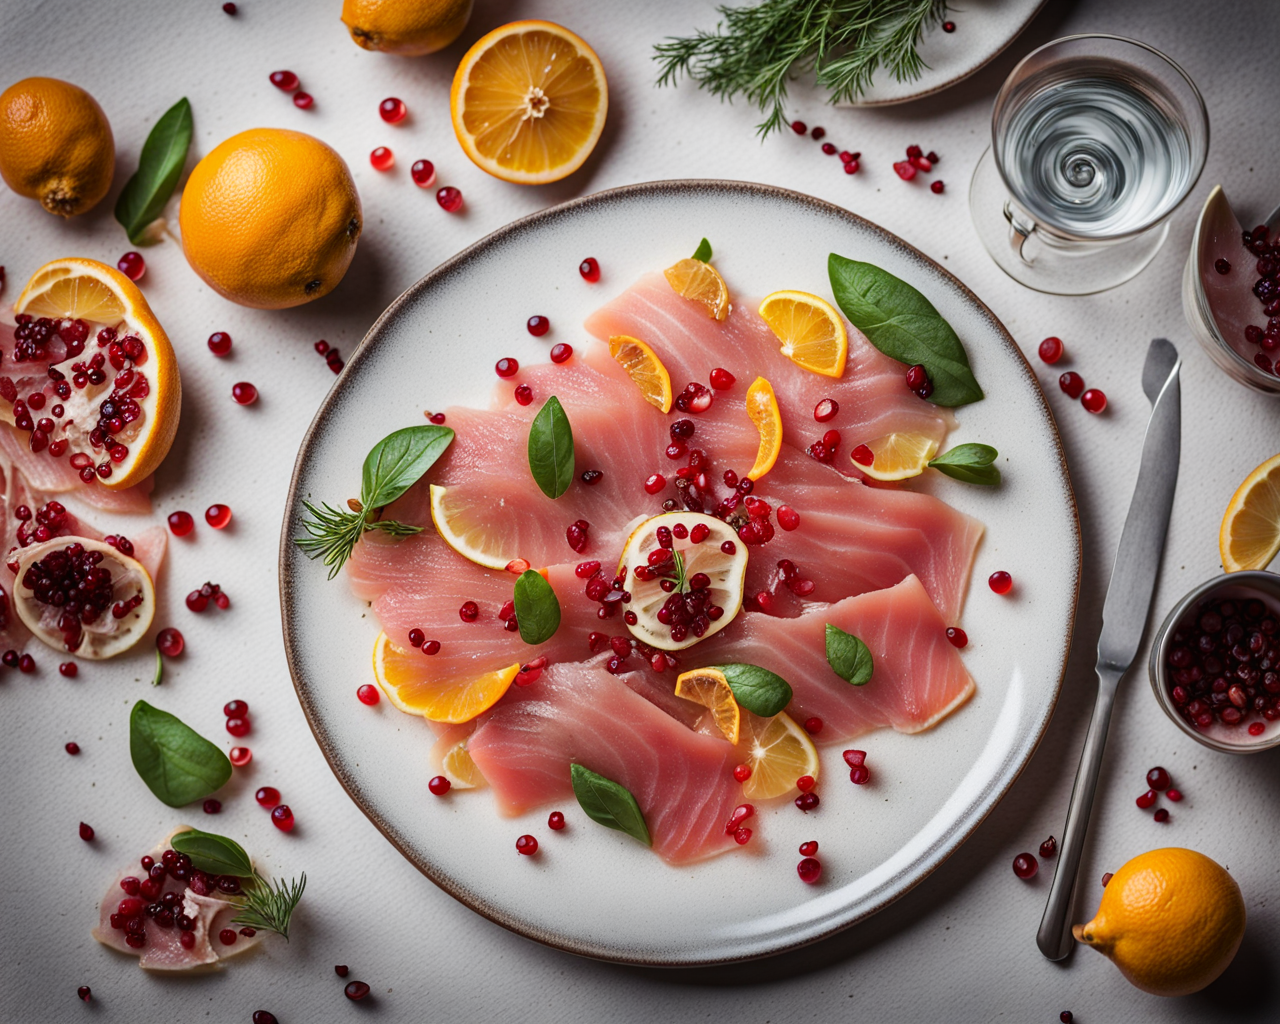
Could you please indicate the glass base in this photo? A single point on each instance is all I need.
(1048, 264)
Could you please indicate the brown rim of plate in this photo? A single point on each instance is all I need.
(531, 222)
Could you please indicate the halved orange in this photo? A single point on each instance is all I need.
(896, 456)
(1250, 533)
(708, 687)
(778, 751)
(399, 673)
(101, 297)
(811, 331)
(700, 282)
(645, 368)
(762, 410)
(529, 102)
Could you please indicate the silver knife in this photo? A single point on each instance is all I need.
(1124, 619)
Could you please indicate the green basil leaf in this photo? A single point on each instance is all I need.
(703, 252)
(177, 763)
(537, 609)
(398, 461)
(608, 803)
(159, 167)
(903, 324)
(848, 656)
(757, 689)
(971, 463)
(215, 854)
(551, 449)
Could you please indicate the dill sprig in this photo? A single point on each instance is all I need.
(269, 908)
(755, 51)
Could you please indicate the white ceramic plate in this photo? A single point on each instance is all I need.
(590, 890)
(983, 29)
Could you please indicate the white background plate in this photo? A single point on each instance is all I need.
(590, 890)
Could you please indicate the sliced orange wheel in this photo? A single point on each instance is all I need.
(1250, 533)
(529, 102)
(895, 456)
(778, 752)
(399, 673)
(762, 410)
(645, 368)
(137, 375)
(700, 282)
(811, 331)
(708, 687)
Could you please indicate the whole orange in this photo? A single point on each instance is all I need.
(408, 28)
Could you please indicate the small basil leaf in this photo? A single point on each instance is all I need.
(159, 167)
(903, 324)
(848, 656)
(398, 461)
(608, 803)
(971, 463)
(177, 763)
(215, 854)
(551, 449)
(757, 689)
(537, 609)
(703, 252)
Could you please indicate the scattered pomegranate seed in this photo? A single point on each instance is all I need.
(806, 783)
(238, 726)
(523, 394)
(230, 8)
(742, 836)
(220, 343)
(1094, 400)
(788, 518)
(1175, 795)
(368, 694)
(240, 756)
(212, 806)
(392, 110)
(86, 832)
(260, 1016)
(1222, 266)
(69, 669)
(1025, 866)
(860, 775)
(1158, 778)
(813, 726)
(341, 970)
(285, 80)
(423, 173)
(132, 265)
(809, 870)
(799, 127)
(721, 379)
(538, 325)
(1065, 1016)
(267, 796)
(431, 647)
(235, 709)
(218, 516)
(527, 846)
(1051, 350)
(244, 393)
(439, 785)
(382, 159)
(655, 483)
(555, 821)
(1071, 383)
(863, 455)
(84, 993)
(589, 269)
(506, 367)
(170, 642)
(303, 100)
(905, 170)
(826, 410)
(937, 187)
(818, 133)
(957, 636)
(26, 664)
(742, 772)
(1161, 815)
(948, 26)
(72, 748)
(914, 152)
(356, 990)
(181, 523)
(1000, 581)
(560, 353)
(728, 547)
(450, 199)
(807, 801)
(1146, 799)
(852, 167)
(282, 818)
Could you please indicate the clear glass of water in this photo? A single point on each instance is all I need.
(1095, 140)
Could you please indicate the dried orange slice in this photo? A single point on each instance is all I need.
(529, 102)
(762, 410)
(708, 687)
(778, 752)
(811, 331)
(895, 456)
(1250, 533)
(399, 673)
(700, 282)
(645, 368)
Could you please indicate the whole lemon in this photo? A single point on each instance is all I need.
(270, 218)
(1171, 920)
(409, 28)
(55, 145)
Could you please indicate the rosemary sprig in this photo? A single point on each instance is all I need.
(333, 533)
(755, 51)
(269, 908)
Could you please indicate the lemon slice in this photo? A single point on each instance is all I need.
(703, 610)
(460, 770)
(895, 456)
(778, 751)
(475, 540)
(762, 410)
(700, 282)
(810, 329)
(400, 674)
(1250, 533)
(645, 368)
(708, 687)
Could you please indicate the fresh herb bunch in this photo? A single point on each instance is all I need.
(757, 50)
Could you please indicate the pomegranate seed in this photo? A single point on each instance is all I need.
(560, 353)
(69, 669)
(230, 8)
(1065, 1016)
(235, 709)
(303, 100)
(431, 647)
(728, 547)
(722, 379)
(72, 748)
(809, 870)
(506, 367)
(392, 110)
(170, 642)
(259, 1016)
(527, 846)
(863, 455)
(1071, 383)
(1000, 581)
(86, 832)
(807, 801)
(1146, 799)
(439, 785)
(937, 187)
(1158, 779)
(382, 159)
(212, 806)
(450, 199)
(523, 394)
(282, 818)
(860, 775)
(852, 166)
(742, 836)
(132, 265)
(220, 343)
(826, 410)
(1161, 815)
(181, 523)
(904, 169)
(244, 393)
(1051, 350)
(1093, 400)
(538, 325)
(84, 993)
(742, 772)
(1222, 266)
(240, 756)
(423, 173)
(589, 269)
(267, 796)
(799, 127)
(788, 518)
(356, 990)
(957, 636)
(368, 694)
(1025, 866)
(1175, 795)
(285, 80)
(469, 611)
(218, 516)
(555, 821)
(26, 664)
(1257, 728)
(818, 133)
(813, 726)
(1048, 848)
(341, 970)
(948, 26)
(238, 726)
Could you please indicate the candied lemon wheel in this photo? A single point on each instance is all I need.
(708, 687)
(399, 674)
(896, 456)
(645, 368)
(1250, 533)
(778, 752)
(762, 410)
(700, 282)
(811, 331)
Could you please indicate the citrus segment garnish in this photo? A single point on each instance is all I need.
(895, 456)
(700, 282)
(474, 539)
(529, 102)
(704, 560)
(778, 752)
(708, 687)
(399, 673)
(645, 368)
(460, 770)
(762, 410)
(1250, 533)
(811, 331)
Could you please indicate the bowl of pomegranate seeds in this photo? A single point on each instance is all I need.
(1215, 662)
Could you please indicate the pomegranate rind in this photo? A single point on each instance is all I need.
(52, 292)
(94, 645)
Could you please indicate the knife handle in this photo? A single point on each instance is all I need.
(1054, 937)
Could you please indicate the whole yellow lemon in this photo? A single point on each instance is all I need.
(409, 28)
(270, 218)
(55, 145)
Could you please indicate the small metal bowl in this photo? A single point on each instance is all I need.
(1237, 586)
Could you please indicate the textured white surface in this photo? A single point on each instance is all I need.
(959, 947)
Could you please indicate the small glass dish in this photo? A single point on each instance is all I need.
(1236, 586)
